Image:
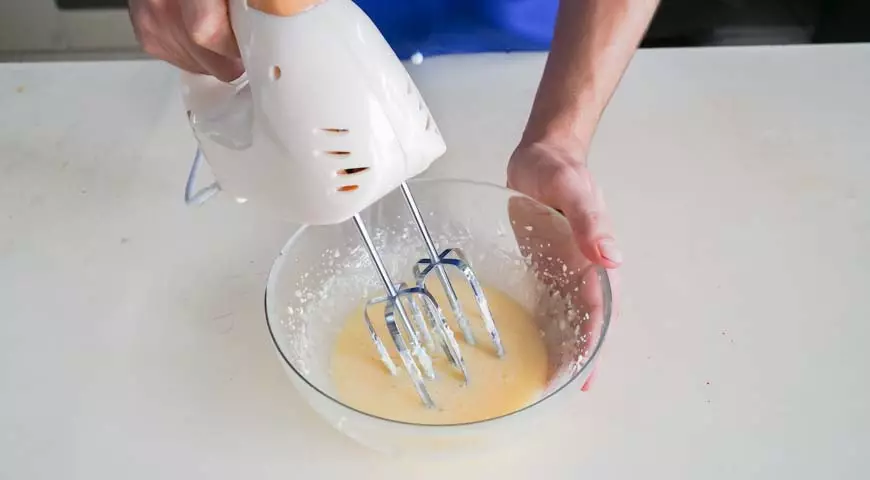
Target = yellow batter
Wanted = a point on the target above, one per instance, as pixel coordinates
(496, 387)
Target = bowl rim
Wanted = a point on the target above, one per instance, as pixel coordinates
(606, 290)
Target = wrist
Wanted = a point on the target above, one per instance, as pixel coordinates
(563, 120)
(560, 138)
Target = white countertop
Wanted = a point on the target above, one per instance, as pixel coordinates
(132, 339)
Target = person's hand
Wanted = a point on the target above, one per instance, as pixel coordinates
(556, 176)
(194, 35)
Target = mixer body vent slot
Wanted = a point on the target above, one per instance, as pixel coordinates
(348, 188)
(352, 171)
(337, 153)
(275, 73)
(335, 131)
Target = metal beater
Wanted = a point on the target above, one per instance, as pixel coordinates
(414, 356)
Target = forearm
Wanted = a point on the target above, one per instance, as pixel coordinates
(592, 45)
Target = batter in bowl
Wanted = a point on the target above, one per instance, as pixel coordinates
(497, 386)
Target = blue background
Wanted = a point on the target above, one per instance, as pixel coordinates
(437, 27)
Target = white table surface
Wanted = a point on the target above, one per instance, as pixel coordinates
(132, 339)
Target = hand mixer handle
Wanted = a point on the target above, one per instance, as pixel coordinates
(335, 120)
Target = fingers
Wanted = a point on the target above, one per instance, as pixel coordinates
(225, 68)
(208, 25)
(194, 35)
(583, 205)
(592, 296)
(148, 18)
(171, 52)
(211, 38)
(590, 380)
(615, 302)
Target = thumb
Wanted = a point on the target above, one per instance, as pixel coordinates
(582, 203)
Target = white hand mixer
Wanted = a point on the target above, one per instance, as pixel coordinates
(325, 122)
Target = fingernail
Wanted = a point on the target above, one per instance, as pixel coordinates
(607, 248)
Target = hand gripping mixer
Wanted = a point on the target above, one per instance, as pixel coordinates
(325, 122)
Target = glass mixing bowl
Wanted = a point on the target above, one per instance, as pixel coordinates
(514, 244)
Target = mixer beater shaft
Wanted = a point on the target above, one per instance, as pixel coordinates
(407, 360)
(449, 291)
(401, 298)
